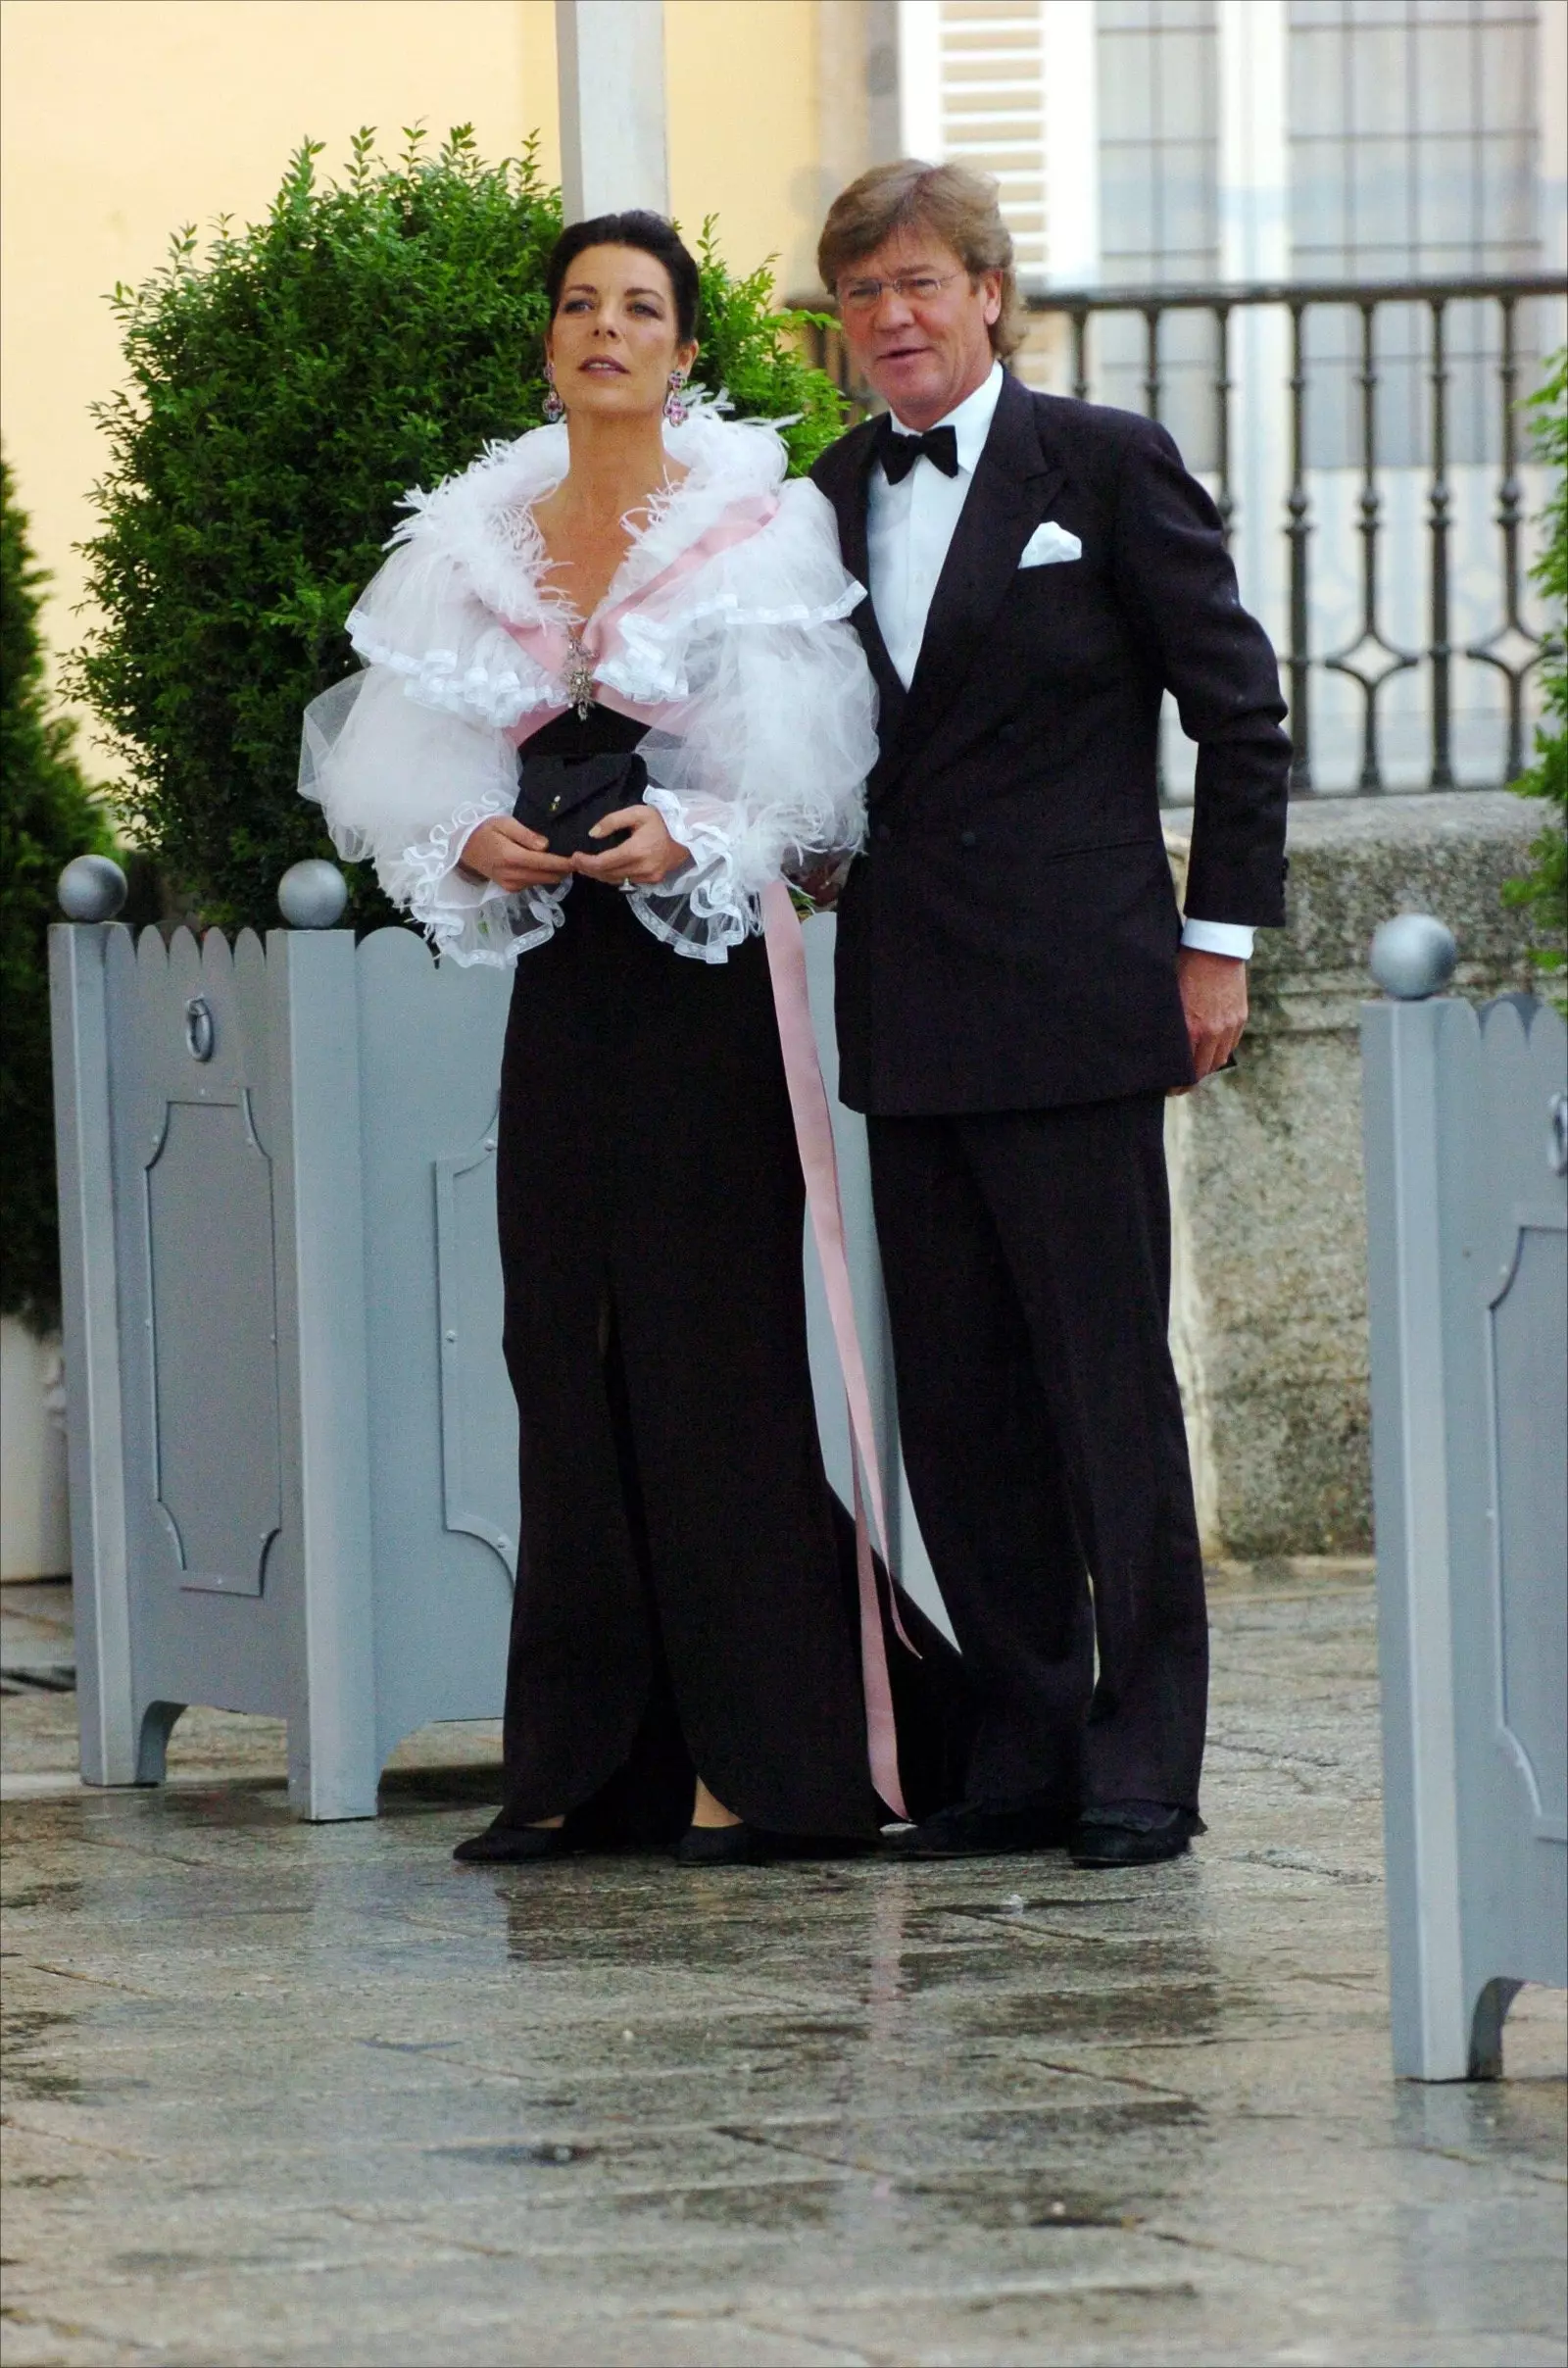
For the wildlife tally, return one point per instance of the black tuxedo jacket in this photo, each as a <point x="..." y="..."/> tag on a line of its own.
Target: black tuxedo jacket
<point x="1008" y="939"/>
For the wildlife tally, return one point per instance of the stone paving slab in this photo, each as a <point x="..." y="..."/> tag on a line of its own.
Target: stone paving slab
<point x="279" y="2094"/>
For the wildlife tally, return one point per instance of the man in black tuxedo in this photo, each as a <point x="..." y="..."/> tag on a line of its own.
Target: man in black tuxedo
<point x="1017" y="994"/>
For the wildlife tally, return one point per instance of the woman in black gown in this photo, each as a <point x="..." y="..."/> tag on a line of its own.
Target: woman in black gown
<point x="638" y="583"/>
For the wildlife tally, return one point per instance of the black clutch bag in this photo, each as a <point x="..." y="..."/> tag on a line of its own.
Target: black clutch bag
<point x="564" y="797"/>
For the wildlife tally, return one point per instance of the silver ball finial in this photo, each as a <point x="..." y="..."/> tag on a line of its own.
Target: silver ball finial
<point x="312" y="895"/>
<point x="1413" y="956"/>
<point x="91" y="888"/>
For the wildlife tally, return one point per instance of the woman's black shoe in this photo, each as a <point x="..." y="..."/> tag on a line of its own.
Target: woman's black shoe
<point x="507" y="1844"/>
<point x="722" y="1845"/>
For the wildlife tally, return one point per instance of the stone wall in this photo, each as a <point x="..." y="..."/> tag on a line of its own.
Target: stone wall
<point x="35" y="1511"/>
<point x="1269" y="1296"/>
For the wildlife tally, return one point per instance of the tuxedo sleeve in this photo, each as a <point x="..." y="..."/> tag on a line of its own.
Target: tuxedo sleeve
<point x="1175" y="579"/>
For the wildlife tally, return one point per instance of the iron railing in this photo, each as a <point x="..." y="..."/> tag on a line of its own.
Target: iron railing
<point x="1372" y="655"/>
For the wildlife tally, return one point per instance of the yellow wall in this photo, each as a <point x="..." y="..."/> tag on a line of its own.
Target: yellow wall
<point x="741" y="79"/>
<point x="123" y="119"/>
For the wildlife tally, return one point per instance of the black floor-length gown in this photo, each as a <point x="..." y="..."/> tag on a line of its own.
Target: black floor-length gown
<point x="685" y="1584"/>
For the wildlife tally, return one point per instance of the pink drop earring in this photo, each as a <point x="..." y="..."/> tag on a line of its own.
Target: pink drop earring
<point x="675" y="408"/>
<point x="554" y="409"/>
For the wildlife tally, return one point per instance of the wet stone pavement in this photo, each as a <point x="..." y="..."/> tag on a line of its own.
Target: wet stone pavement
<point x="299" y="2094"/>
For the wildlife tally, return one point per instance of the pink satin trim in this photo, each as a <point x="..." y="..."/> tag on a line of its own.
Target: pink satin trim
<point x="813" y="1132"/>
<point x="549" y="643"/>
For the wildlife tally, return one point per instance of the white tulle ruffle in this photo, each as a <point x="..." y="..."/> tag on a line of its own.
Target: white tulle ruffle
<point x="767" y="717"/>
<point x="378" y="764"/>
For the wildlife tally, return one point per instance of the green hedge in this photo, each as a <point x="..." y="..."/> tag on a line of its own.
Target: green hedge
<point x="286" y="387"/>
<point x="47" y="815"/>
<point x="1544" y="890"/>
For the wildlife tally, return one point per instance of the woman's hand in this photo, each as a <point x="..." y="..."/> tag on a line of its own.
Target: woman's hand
<point x="513" y="856"/>
<point x="648" y="855"/>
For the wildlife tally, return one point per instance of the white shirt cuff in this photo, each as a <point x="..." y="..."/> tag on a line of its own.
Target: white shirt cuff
<point x="1234" y="938"/>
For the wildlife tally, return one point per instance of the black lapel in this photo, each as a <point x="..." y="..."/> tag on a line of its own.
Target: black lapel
<point x="1013" y="485"/>
<point x="842" y="475"/>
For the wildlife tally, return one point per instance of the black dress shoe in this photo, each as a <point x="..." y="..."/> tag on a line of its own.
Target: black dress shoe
<point x="508" y="1844"/>
<point x="722" y="1845"/>
<point x="973" y="1831"/>
<point x="1133" y="1832"/>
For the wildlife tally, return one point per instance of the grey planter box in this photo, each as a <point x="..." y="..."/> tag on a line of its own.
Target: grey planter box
<point x="293" y="1444"/>
<point x="1466" y="1121"/>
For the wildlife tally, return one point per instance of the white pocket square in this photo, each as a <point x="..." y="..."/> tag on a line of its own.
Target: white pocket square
<point x="1048" y="544"/>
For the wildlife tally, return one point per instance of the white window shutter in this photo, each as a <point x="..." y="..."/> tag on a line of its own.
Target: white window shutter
<point x="1010" y="88"/>
<point x="992" y="101"/>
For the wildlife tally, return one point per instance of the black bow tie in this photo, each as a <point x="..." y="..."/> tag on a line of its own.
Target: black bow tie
<point x="898" y="452"/>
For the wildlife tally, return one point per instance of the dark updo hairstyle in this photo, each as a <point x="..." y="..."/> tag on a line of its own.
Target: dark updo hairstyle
<point x="652" y="235"/>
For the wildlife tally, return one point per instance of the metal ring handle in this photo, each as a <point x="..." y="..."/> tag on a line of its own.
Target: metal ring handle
<point x="199" y="1033"/>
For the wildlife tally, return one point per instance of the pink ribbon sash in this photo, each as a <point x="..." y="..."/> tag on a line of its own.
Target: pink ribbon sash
<point x="813" y="1132"/>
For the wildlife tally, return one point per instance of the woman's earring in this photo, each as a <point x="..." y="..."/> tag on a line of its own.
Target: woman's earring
<point x="554" y="408"/>
<point x="675" y="408"/>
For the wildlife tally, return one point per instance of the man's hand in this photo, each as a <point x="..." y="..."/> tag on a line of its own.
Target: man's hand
<point x="822" y="880"/>
<point x="1213" y="989"/>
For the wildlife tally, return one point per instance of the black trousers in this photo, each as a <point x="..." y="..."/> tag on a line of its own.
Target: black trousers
<point x="1026" y="1256"/>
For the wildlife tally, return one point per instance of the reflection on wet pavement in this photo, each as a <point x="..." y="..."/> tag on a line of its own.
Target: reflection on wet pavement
<point x="287" y="2093"/>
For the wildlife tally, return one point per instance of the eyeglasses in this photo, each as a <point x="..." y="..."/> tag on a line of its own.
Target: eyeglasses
<point x="913" y="287"/>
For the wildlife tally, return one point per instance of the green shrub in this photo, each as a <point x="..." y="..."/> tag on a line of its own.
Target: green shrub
<point x="285" y="389"/>
<point x="1543" y="892"/>
<point x="47" y="815"/>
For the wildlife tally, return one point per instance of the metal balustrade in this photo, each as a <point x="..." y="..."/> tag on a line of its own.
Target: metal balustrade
<point x="1526" y="313"/>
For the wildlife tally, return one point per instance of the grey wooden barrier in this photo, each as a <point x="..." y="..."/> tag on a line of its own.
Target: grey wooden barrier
<point x="293" y="1446"/>
<point x="1466" y="1124"/>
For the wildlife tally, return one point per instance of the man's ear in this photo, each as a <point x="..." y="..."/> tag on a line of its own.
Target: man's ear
<point x="991" y="283"/>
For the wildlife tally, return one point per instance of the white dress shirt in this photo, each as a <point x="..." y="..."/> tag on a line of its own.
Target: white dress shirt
<point x="908" y="528"/>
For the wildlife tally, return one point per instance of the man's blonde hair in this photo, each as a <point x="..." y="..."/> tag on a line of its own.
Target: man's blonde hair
<point x="954" y="204"/>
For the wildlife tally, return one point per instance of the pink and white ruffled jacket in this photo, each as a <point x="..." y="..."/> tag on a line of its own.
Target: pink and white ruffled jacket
<point x="725" y="630"/>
